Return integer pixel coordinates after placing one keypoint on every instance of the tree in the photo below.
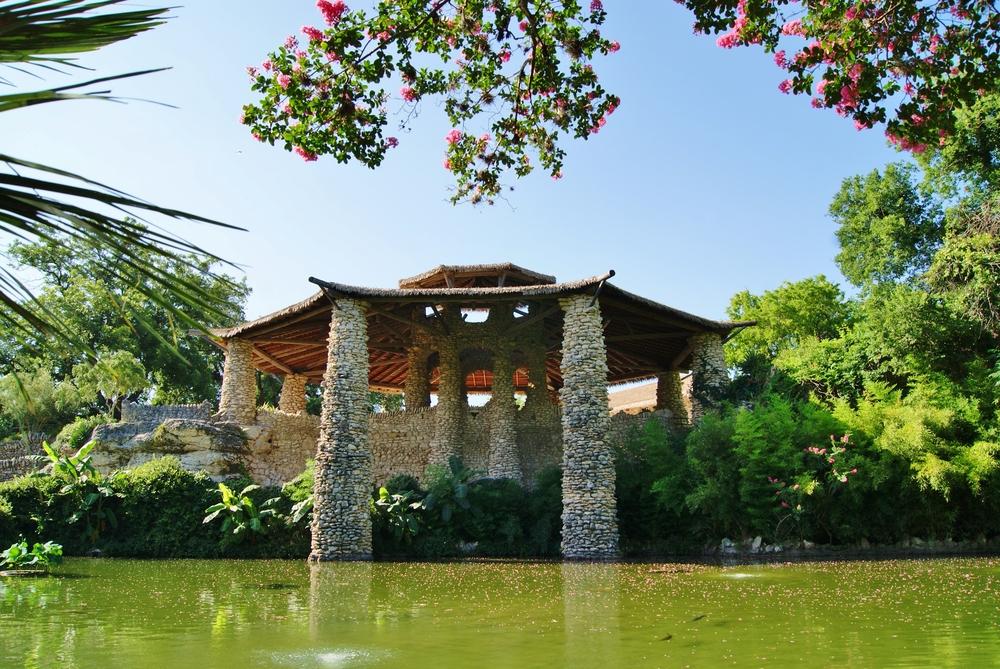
(103, 309)
(36, 403)
(40, 202)
(888, 228)
(792, 312)
(112, 377)
(521, 73)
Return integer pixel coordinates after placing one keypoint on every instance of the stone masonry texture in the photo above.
(293, 394)
(341, 528)
(239, 383)
(590, 515)
(709, 374)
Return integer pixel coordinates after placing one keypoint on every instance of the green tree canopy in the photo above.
(813, 308)
(888, 228)
(83, 289)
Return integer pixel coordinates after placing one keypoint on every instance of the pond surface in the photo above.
(125, 613)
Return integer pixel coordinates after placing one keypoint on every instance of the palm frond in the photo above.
(48, 31)
(42, 202)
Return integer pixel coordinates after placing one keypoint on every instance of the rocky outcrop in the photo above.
(216, 448)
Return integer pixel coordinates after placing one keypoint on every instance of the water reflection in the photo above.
(590, 605)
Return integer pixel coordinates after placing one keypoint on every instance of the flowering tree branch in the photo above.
(908, 64)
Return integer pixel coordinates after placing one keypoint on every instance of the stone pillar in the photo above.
(709, 374)
(341, 527)
(293, 394)
(450, 409)
(503, 457)
(417, 391)
(669, 396)
(590, 514)
(239, 384)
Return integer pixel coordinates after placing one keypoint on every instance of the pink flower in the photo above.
(854, 471)
(780, 59)
(611, 108)
(313, 33)
(851, 13)
(728, 40)
(256, 136)
(785, 86)
(391, 142)
(291, 42)
(795, 487)
(267, 65)
(614, 47)
(821, 86)
(287, 109)
(332, 57)
(485, 138)
(793, 27)
(384, 36)
(332, 11)
(843, 479)
(453, 136)
(785, 505)
(307, 155)
(505, 55)
(252, 71)
(523, 25)
(408, 93)
(816, 103)
(284, 80)
(860, 125)
(447, 164)
(557, 176)
(596, 6)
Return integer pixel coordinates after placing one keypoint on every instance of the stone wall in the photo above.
(133, 412)
(279, 445)
(401, 442)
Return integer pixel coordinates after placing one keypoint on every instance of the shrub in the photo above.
(74, 435)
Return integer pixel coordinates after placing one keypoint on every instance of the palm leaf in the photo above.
(48, 31)
(42, 202)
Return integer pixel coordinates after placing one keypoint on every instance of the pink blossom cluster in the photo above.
(614, 47)
(408, 94)
(391, 142)
(504, 55)
(313, 33)
(284, 80)
(453, 136)
(815, 450)
(332, 11)
(793, 27)
(596, 6)
(306, 155)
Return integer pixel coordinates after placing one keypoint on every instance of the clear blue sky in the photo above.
(706, 181)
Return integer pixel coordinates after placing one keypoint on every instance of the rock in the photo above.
(95, 553)
(864, 543)
(773, 548)
(467, 547)
(917, 542)
(808, 545)
(756, 544)
(727, 547)
(217, 448)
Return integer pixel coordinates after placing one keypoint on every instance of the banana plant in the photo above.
(240, 514)
(401, 513)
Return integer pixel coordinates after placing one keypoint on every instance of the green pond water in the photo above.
(125, 613)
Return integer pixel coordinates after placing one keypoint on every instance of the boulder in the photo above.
(217, 448)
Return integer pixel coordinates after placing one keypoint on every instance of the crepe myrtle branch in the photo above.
(907, 65)
(326, 93)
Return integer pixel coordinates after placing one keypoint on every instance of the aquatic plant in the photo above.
(42, 556)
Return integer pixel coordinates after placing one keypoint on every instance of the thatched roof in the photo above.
(643, 337)
(467, 276)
